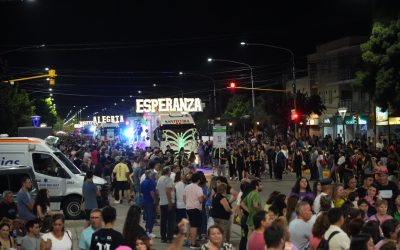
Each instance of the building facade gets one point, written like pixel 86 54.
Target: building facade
pixel 331 72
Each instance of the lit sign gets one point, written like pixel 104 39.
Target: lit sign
pixel 168 105
pixel 185 121
pixel 394 120
pixel 349 120
pixel 381 117
pixel 86 123
pixel 108 119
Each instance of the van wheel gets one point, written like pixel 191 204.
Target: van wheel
pixel 72 208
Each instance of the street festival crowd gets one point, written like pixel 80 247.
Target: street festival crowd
pixel 350 201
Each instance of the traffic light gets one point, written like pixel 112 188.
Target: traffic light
pixel 355 118
pixel 294 115
pixel 52 76
pixel 232 85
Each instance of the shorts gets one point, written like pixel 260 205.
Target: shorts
pixel 194 216
pixel 122 185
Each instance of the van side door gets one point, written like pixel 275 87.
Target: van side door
pixel 49 174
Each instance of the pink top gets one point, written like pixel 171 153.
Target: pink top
pixel 192 194
pixel 375 218
pixel 256 241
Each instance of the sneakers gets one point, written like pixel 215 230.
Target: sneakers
pixel 117 201
pixel 151 235
pixel 195 246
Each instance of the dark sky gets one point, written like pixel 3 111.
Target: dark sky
pixel 107 50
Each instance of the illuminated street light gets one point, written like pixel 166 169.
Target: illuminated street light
pixel 139 91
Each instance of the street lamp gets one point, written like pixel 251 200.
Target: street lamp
pixel 22 48
pixel 281 48
pixel 293 69
pixel 342 112
pixel 208 77
pixel 251 77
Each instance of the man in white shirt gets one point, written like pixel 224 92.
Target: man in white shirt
pixel 165 188
pixel 300 228
pixel 326 190
pixel 339 240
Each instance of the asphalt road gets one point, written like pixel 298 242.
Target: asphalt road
pixel 268 186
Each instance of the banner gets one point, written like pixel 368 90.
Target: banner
pixel 382 118
pixel 219 136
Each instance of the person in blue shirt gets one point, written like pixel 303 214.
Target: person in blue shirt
pixel 148 189
pixel 96 222
pixel 25 202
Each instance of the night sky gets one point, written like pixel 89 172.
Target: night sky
pixel 104 51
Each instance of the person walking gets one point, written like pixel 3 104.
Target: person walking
pixel 194 198
pixel 90 194
pixel 121 174
pixel 165 188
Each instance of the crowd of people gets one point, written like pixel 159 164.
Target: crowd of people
pixel 353 202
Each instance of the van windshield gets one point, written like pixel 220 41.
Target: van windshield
pixel 67 163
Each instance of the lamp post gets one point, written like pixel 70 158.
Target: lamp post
pixel 342 112
pixel 251 76
pixel 293 69
pixel 22 48
pixel 210 78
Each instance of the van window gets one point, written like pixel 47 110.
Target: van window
pixel 3 183
pixel 47 165
pixel 12 182
pixel 67 163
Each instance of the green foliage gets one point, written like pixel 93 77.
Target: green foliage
pixel 381 55
pixel 15 109
pixel 306 105
pixel 45 109
pixel 238 106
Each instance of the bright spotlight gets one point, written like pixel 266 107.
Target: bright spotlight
pixel 129 132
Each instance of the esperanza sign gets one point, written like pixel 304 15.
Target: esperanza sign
pixel 168 105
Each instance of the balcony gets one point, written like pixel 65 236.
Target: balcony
pixel 354 107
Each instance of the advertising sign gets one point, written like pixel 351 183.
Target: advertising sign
pixel 168 105
pixel 394 120
pixel 108 119
pixel 219 136
pixel 381 117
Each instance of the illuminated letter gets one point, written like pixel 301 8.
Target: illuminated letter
pixel 147 105
pixel 176 105
pixel 168 104
pixel 154 105
pixel 103 119
pixel 161 104
pixel 197 105
pixel 139 105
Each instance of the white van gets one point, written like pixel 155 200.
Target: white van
pixel 52 169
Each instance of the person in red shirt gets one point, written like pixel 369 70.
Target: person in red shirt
pixel 261 222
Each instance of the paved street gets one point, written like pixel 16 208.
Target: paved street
pixel 268 186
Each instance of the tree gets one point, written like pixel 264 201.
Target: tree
pixel 15 109
pixel 45 109
pixel 381 55
pixel 237 107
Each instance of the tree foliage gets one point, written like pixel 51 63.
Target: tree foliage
pixel 237 107
pixel 45 109
pixel 381 55
pixel 15 109
pixel 307 105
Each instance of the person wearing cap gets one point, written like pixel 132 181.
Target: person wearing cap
pixel 121 174
pixel 326 189
pixel 90 194
pixel 388 190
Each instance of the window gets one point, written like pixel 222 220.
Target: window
pixel 47 165
pixel 330 97
pixel 3 183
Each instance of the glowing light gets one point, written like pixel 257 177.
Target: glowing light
pixel 92 128
pixel 129 132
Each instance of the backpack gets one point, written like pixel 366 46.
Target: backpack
pixel 324 244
